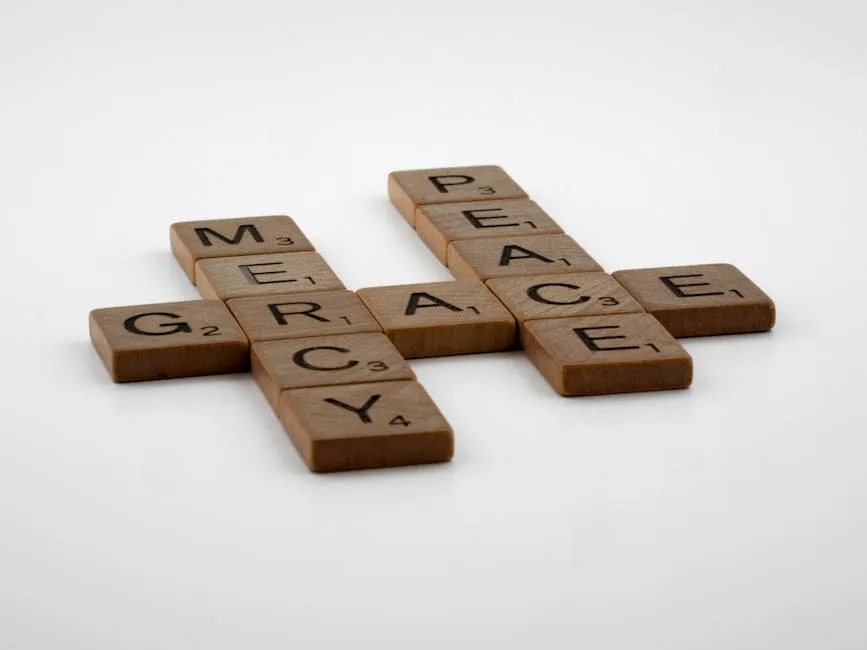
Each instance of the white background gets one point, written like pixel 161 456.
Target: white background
pixel 177 515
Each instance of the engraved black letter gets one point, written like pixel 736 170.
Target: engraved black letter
pixel 300 358
pixel 413 303
pixel 280 316
pixel 253 277
pixel 675 288
pixel 590 341
pixel 361 412
pixel 443 187
pixel 508 256
pixel 477 221
pixel 131 325
pixel 239 235
pixel 533 293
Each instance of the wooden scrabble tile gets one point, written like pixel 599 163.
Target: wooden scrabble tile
pixel 175 339
pixel 325 361
pixel 439 225
pixel 441 318
pixel 483 259
pixel 561 296
pixel 365 426
pixel 412 188
pixel 256 275
pixel 295 315
pixel 701 300
pixel 598 355
pixel 198 240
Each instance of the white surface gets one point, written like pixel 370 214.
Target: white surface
pixel 176 515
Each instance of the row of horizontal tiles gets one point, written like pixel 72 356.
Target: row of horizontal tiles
pixel 586 331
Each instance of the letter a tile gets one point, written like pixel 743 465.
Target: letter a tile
pixel 483 259
pixel 175 339
pixel 441 318
pixel 365 426
pixel 224 278
pixel 325 361
pixel 198 240
pixel 598 355
pixel 701 300
pixel 412 188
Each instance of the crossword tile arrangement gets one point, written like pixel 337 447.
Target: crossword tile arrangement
pixel 332 363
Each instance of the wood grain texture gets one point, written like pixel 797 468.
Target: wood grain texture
pixel 562 296
pixel 366 426
pixel 441 318
pixel 409 189
pixel 439 225
pixel 325 361
pixel 166 340
pixel 701 300
pixel 599 355
pixel 225 278
pixel 296 315
pixel 483 259
pixel 198 240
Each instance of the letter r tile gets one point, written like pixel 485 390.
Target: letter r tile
pixel 296 315
pixel 701 300
pixel 198 240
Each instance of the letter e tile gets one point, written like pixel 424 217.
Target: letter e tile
pixel 440 224
pixel 701 300
pixel 224 278
pixel 598 355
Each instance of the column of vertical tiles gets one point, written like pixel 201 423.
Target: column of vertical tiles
pixel 485 229
pixel 313 352
pixel 315 348
pixel 481 224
